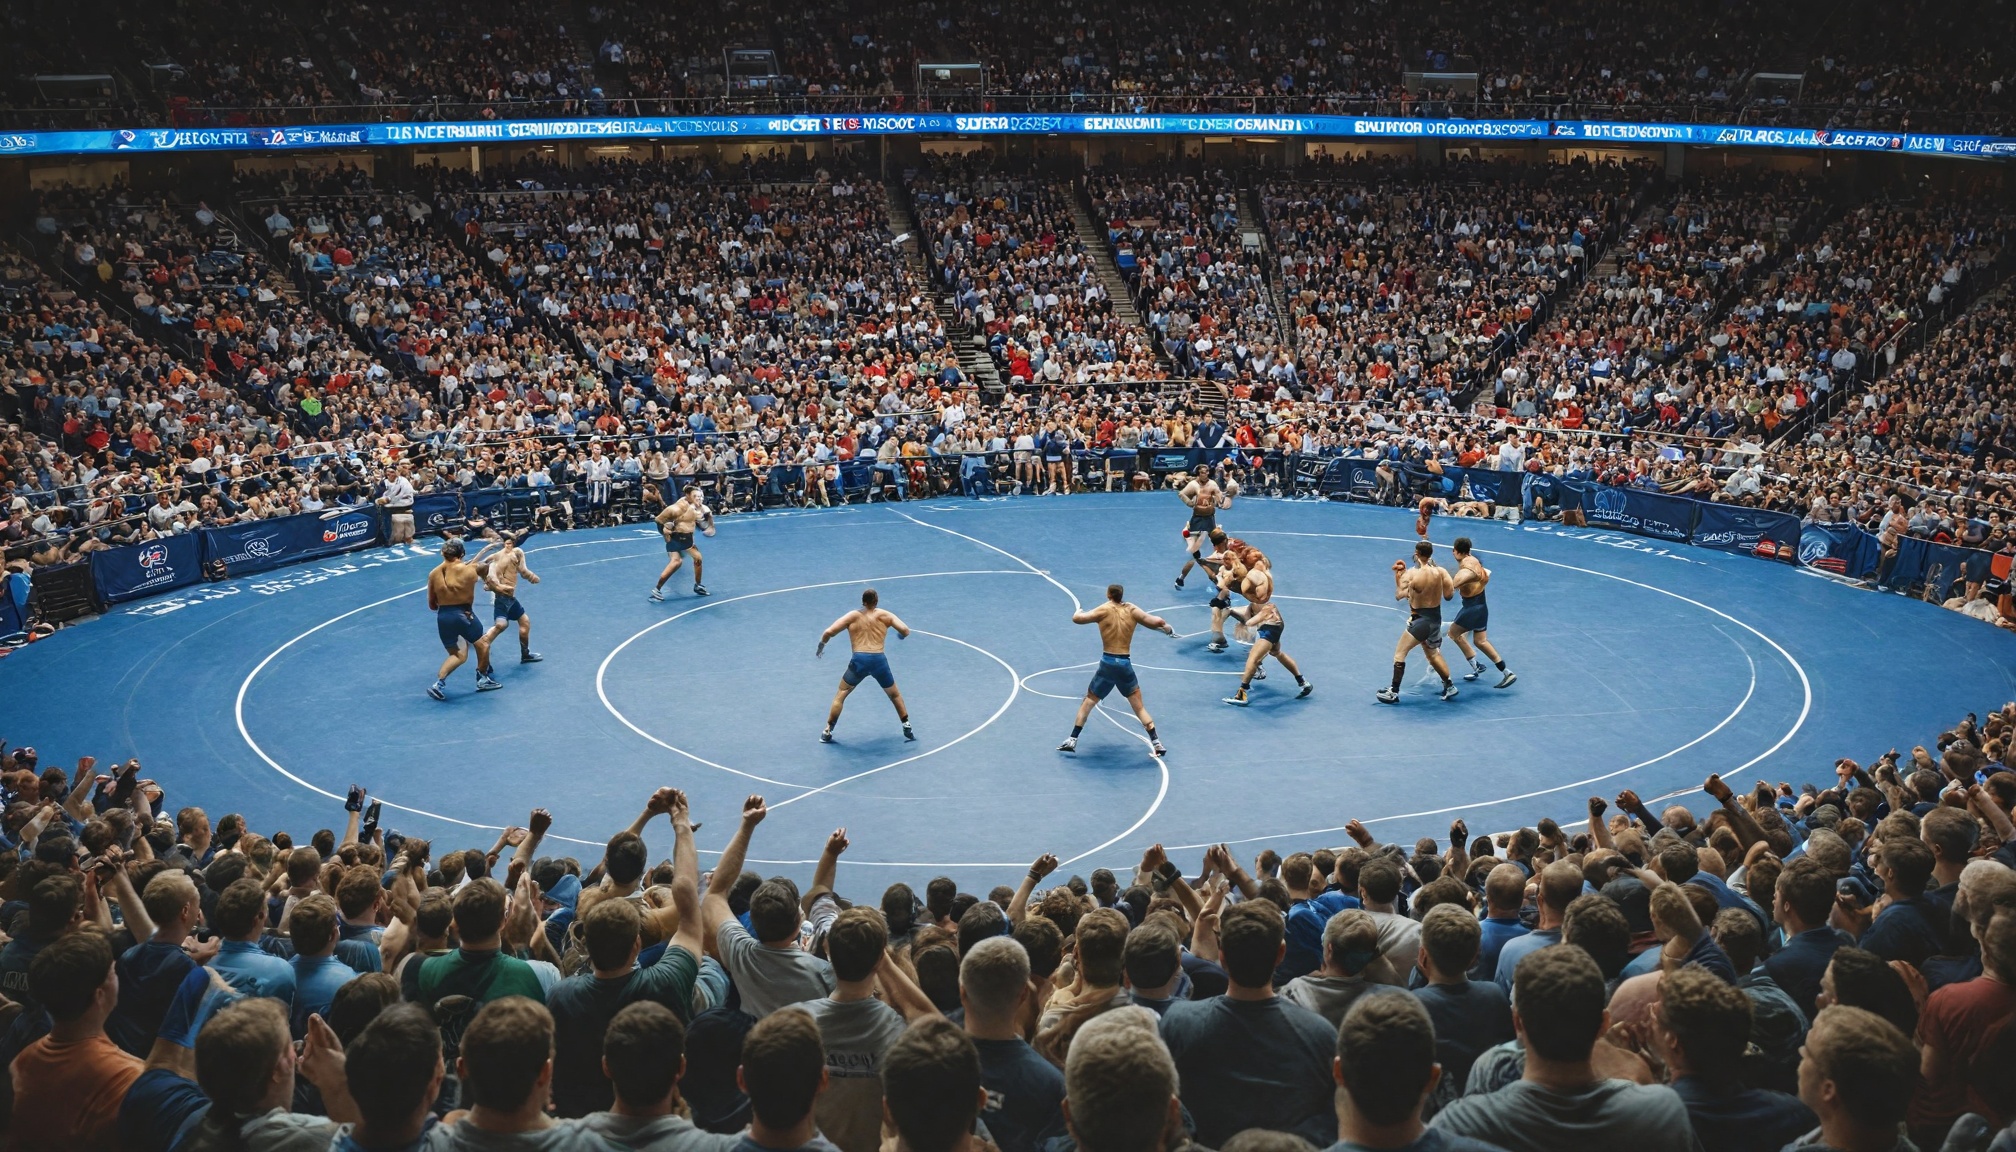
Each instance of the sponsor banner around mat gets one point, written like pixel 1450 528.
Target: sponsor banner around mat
pixel 1843 549
pixel 264 544
pixel 1727 528
pixel 437 513
pixel 156 140
pixel 147 569
pixel 1641 513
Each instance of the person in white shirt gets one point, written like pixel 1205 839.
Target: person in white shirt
pixel 397 501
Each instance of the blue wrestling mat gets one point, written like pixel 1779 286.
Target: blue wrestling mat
pixel 1640 665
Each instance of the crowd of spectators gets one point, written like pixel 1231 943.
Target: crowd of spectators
pixel 1821 966
pixel 250 61
pixel 1201 289
pixel 1401 282
pixel 1005 249
pixel 600 333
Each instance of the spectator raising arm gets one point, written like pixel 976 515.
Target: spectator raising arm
pixel 1018 907
pixel 714 910
pixel 685 878
pixel 823 872
pixel 1741 822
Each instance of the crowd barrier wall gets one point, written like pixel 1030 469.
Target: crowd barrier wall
pixel 136 571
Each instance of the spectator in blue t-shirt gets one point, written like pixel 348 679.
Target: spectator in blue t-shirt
pixel 1470 1015
pixel 1802 900
pixel 1313 907
pixel 1908 927
pixel 1025 1092
pixel 317 971
pixel 1249 1059
pixel 1701 1028
pixel 1504 893
pixel 1385 1063
pixel 1560 884
pixel 240 918
pixel 151 971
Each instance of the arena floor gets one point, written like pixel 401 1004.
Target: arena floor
pixel 1640 666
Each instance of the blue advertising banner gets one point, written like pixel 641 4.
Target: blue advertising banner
pixel 1358 479
pixel 155 140
pixel 1639 512
pixel 264 544
pixel 437 512
pixel 15 588
pixel 1841 548
pixel 487 503
pixel 148 568
pixel 1733 529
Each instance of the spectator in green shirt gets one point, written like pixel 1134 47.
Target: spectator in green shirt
pixel 479 969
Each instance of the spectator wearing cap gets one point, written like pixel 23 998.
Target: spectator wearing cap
pixel 1353 966
pixel 1559 1104
pixel 1249 1059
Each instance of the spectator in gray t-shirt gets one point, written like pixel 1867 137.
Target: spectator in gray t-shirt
pixel 644 1053
pixel 1353 965
pixel 1561 1105
pixel 770 968
pixel 857 1029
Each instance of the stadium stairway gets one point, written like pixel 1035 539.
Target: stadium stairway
pixel 1119 289
pixel 975 361
pixel 1253 236
pixel 1099 246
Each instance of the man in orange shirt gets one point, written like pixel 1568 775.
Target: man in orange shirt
pixel 76 1075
